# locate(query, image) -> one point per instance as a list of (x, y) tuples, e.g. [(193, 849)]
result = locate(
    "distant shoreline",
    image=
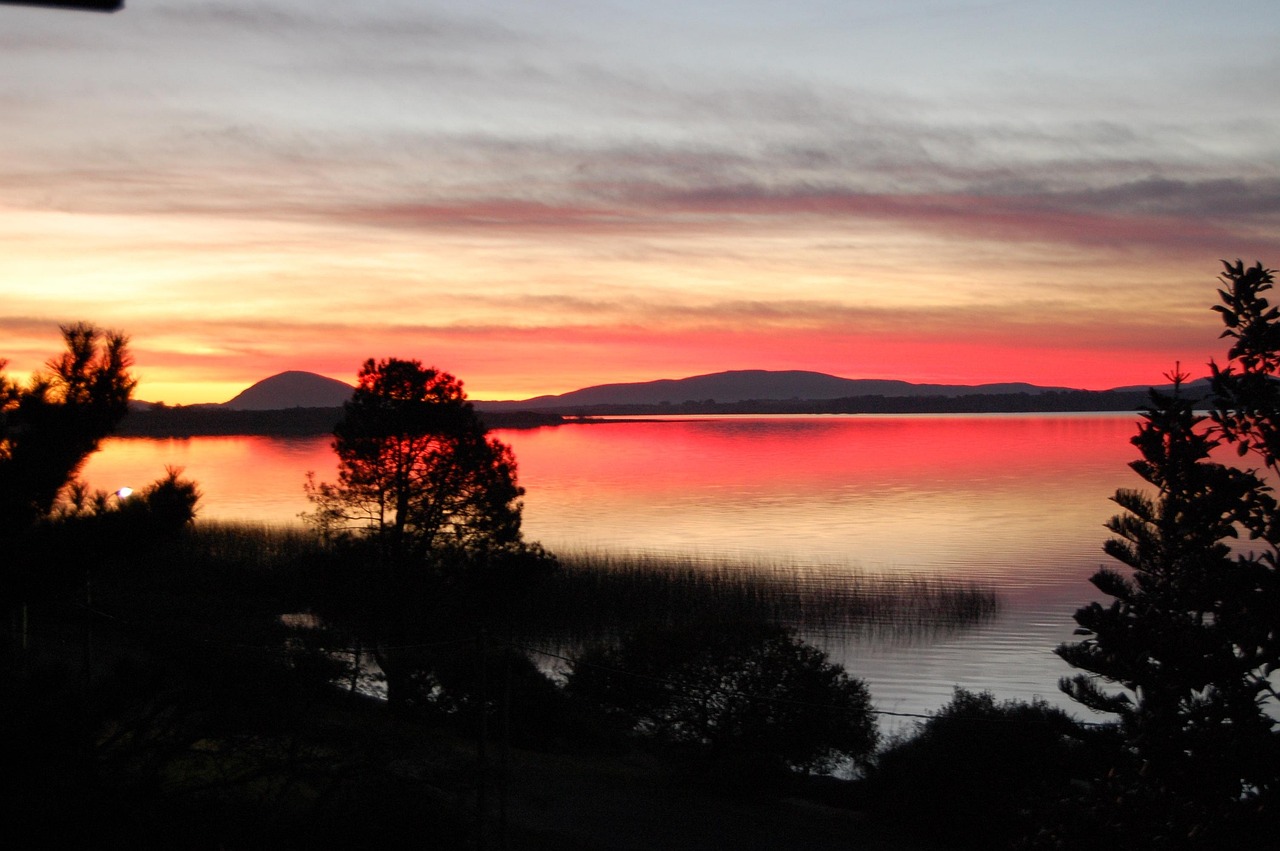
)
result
[(210, 421), (202, 420), (1049, 401)]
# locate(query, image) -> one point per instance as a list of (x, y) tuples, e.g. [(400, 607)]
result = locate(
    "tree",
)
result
[(49, 427), (750, 691), (436, 499), (1191, 634), (416, 471)]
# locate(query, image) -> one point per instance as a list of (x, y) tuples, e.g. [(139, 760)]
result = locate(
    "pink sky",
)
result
[(540, 200)]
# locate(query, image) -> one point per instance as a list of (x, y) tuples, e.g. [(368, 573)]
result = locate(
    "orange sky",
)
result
[(614, 192)]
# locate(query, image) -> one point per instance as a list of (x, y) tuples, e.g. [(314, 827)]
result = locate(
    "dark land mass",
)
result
[(754, 385), (205, 420), (253, 756), (299, 403), (1051, 401)]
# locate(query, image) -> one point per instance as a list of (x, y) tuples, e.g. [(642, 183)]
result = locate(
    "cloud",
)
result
[(493, 184), (315, 24)]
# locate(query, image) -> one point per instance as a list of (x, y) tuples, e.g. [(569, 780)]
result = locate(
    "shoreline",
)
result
[(204, 420)]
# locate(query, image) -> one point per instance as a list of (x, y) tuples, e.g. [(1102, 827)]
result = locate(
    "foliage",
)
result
[(727, 692), (50, 426), (978, 771), (163, 507), (103, 525), (416, 473), (1191, 634), (1247, 395)]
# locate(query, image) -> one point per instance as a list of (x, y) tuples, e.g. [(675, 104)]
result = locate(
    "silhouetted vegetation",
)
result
[(52, 528), (416, 473), (1187, 647), (747, 697), (49, 426), (193, 420), (980, 773), (593, 596), (203, 713)]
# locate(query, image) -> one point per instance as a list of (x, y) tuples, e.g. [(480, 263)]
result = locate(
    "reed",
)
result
[(243, 546), (598, 594), (234, 561)]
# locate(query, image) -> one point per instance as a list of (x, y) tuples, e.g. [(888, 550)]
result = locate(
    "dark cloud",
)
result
[(1232, 198)]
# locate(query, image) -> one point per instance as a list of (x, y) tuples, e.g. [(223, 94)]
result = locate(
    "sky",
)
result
[(538, 197)]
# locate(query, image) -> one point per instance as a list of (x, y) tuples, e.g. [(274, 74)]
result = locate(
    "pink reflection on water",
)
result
[(978, 494), (1014, 502), (240, 478)]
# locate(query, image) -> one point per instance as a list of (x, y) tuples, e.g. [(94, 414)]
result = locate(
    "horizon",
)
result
[(538, 200), (471, 398)]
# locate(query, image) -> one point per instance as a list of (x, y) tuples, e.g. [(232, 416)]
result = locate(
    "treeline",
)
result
[(1052, 401), (203, 420)]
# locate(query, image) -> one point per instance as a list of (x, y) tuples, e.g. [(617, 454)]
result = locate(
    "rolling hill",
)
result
[(292, 389), (752, 385)]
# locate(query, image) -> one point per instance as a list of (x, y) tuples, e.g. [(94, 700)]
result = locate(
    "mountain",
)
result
[(1198, 386), (297, 402), (752, 384), (292, 389)]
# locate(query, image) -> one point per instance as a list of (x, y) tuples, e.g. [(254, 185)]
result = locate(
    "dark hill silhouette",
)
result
[(292, 389), (753, 385), (296, 402)]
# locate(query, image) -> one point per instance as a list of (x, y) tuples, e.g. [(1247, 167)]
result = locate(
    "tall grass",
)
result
[(600, 594), (219, 574), (238, 547), (597, 594)]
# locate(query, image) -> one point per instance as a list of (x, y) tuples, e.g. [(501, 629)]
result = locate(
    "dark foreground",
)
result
[(114, 740)]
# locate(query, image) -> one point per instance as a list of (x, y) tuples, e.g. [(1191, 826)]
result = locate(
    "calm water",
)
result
[(1014, 502)]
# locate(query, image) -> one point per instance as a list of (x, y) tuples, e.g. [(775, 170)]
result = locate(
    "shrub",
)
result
[(977, 772)]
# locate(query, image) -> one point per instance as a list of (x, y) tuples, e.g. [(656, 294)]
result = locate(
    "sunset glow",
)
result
[(541, 197)]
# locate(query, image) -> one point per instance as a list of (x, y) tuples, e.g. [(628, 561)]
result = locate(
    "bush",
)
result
[(977, 772), (750, 695)]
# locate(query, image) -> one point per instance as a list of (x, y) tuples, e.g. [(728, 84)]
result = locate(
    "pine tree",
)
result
[(49, 427), (1190, 637)]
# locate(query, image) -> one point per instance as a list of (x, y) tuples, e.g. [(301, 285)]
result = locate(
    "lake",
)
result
[(1014, 502)]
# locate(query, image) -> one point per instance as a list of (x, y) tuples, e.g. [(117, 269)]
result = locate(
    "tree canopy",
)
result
[(416, 470)]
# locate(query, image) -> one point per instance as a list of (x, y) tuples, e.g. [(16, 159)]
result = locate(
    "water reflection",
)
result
[(1017, 502), (241, 478)]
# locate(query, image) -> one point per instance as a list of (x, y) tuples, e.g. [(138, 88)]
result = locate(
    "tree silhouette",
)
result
[(416, 472), (49, 427), (426, 511), (1191, 634), (730, 692)]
